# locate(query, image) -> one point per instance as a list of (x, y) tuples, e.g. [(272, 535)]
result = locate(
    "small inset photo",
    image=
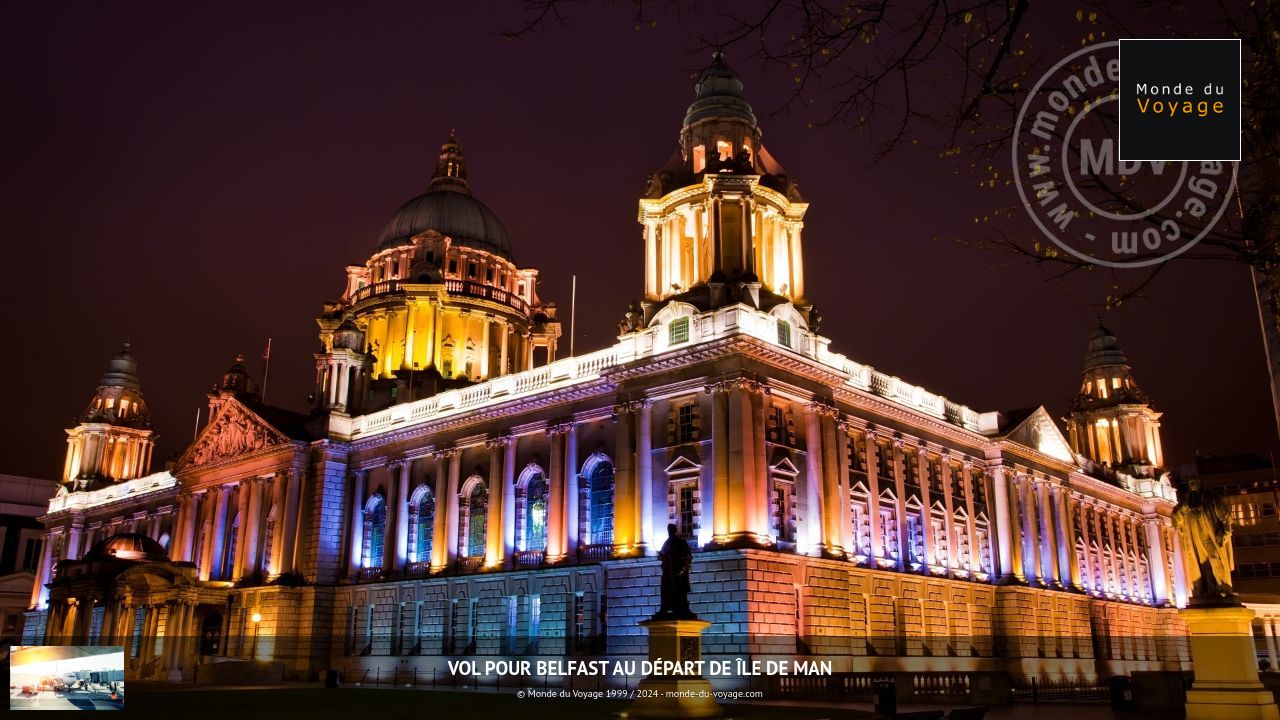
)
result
[(66, 677)]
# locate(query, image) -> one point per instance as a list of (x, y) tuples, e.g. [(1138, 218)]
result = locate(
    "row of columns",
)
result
[(205, 520), (1045, 553)]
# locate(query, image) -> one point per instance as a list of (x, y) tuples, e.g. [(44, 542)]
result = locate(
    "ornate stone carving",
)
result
[(235, 432)]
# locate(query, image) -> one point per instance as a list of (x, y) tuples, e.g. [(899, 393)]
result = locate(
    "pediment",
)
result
[(1040, 432), (235, 432), (682, 465)]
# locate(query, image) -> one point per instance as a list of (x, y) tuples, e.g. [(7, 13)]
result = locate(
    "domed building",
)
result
[(441, 303), (456, 489), (114, 439)]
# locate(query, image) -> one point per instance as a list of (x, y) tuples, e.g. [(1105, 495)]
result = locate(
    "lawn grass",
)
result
[(148, 700)]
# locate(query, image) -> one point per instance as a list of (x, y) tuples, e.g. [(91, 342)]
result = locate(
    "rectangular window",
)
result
[(724, 149), (471, 270), (687, 423), (699, 158), (453, 267), (535, 623), (687, 515), (784, 333), (512, 624), (488, 275), (679, 331), (579, 621), (31, 555)]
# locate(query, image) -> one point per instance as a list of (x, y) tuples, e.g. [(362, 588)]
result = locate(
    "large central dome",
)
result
[(449, 208)]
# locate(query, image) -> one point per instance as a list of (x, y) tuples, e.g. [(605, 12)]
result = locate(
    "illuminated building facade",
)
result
[(459, 490)]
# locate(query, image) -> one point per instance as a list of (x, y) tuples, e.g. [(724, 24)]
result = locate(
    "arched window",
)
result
[(535, 512), (599, 476), (477, 518), (784, 333), (375, 531), (422, 524)]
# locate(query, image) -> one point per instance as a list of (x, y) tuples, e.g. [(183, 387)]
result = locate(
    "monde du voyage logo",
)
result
[(1125, 153)]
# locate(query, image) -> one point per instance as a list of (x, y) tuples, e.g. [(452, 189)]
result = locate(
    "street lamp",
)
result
[(256, 618)]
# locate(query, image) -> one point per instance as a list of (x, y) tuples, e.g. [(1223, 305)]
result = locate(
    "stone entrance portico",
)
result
[(125, 592)]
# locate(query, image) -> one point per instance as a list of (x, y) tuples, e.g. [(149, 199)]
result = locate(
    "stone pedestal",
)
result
[(1226, 667), (675, 696)]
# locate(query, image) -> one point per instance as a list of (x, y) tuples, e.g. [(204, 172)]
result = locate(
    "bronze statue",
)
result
[(677, 559), (1203, 520)]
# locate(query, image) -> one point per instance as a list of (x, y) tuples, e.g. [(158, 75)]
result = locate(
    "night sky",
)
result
[(195, 180)]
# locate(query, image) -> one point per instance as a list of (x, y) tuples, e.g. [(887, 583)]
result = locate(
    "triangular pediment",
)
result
[(236, 431), (1040, 432), (682, 465), (786, 467)]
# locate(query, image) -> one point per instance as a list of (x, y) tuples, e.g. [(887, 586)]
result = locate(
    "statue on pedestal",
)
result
[(677, 560), (1203, 521)]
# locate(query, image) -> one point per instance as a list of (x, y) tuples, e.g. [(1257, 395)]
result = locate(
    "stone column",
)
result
[(508, 500), (1048, 536), (390, 532), (44, 572), (493, 539), (189, 525), (1268, 629), (451, 508), (626, 512), (107, 633), (840, 428), (926, 509), (648, 535), (556, 533), (439, 533), (1030, 534), (834, 496), (972, 484), (900, 489), (355, 528), (242, 512), (946, 479), (1086, 537), (814, 536), (873, 493), (719, 462), (1068, 563), (293, 479), (572, 490), (1002, 534), (274, 563), (402, 515), (253, 529), (1157, 561), (743, 475), (219, 540)]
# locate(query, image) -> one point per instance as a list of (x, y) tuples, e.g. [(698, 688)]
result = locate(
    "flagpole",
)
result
[(573, 308), (195, 433), (266, 370)]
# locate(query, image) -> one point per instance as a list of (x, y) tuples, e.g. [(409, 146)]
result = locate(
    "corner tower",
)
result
[(1112, 422), (441, 303), (722, 219), (113, 441)]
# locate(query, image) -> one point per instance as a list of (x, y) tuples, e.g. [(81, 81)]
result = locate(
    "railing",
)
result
[(369, 574), (530, 558), (471, 288), (561, 372), (604, 551), (379, 288), (470, 564), (573, 370), (418, 569), (1037, 689)]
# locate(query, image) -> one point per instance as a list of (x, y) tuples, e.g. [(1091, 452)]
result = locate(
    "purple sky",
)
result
[(195, 180)]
